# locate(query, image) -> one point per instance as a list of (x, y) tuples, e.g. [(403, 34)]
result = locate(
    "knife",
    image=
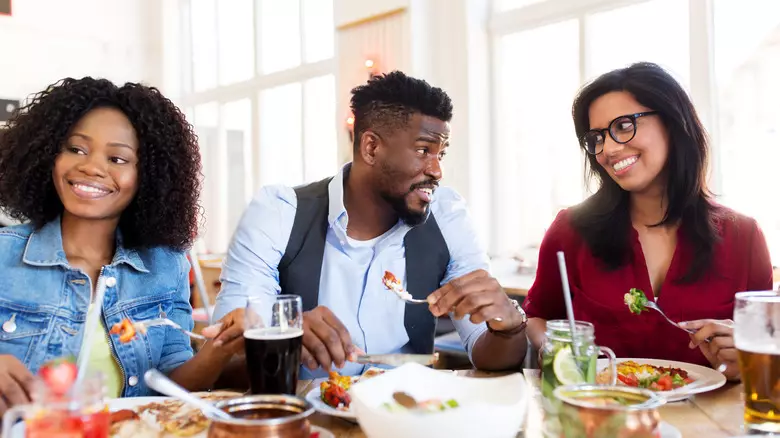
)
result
[(398, 359)]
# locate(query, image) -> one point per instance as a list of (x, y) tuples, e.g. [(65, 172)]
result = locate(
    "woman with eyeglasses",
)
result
[(652, 225)]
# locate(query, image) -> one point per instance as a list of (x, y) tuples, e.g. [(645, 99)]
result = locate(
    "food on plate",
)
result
[(636, 300), (123, 415), (647, 376), (125, 330), (371, 373), (426, 406), (59, 375), (333, 391), (166, 419)]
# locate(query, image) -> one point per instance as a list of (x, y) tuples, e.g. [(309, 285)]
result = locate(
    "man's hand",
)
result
[(325, 340), (479, 295), (15, 383)]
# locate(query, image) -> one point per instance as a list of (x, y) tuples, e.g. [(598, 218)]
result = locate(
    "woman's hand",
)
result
[(15, 383), (720, 351)]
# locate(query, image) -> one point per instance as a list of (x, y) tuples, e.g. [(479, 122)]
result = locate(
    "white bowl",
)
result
[(488, 407)]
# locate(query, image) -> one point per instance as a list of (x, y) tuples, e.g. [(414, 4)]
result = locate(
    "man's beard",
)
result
[(401, 208)]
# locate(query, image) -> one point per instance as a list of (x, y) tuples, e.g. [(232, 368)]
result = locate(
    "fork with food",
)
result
[(127, 329), (392, 283)]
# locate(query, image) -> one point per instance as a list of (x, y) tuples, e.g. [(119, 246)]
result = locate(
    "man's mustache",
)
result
[(430, 184)]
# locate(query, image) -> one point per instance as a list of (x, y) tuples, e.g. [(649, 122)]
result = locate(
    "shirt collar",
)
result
[(337, 213), (44, 248)]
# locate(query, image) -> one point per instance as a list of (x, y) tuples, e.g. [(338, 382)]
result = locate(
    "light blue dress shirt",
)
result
[(351, 278)]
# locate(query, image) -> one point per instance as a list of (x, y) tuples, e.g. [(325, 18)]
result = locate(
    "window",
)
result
[(260, 91), (535, 131), (732, 48), (204, 44), (621, 36), (746, 68), (280, 135), (280, 40), (236, 41)]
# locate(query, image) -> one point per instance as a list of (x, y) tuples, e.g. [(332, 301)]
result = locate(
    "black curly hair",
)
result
[(165, 210), (389, 100)]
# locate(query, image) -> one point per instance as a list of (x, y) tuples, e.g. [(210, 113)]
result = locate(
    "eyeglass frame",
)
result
[(608, 129)]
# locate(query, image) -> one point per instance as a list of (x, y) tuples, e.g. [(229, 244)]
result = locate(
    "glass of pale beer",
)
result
[(757, 338)]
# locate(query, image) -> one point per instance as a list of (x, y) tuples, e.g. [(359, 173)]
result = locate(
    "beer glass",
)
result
[(273, 336), (757, 338)]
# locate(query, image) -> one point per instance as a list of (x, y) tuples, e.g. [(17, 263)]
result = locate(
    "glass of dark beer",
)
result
[(273, 335), (757, 338)]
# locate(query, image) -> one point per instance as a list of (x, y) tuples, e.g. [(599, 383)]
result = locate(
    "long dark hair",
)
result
[(603, 220)]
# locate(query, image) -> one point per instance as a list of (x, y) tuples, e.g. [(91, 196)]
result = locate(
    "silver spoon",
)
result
[(162, 384)]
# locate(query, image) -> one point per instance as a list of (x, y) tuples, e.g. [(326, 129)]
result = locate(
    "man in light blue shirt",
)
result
[(381, 212)]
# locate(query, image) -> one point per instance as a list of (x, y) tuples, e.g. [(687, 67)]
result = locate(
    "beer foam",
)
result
[(759, 348), (272, 333)]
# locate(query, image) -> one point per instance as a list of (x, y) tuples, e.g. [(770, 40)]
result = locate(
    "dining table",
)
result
[(713, 414)]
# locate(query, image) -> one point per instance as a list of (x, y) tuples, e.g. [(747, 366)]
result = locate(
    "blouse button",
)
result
[(110, 281), (132, 381)]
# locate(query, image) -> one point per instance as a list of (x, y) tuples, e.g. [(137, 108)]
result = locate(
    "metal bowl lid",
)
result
[(638, 398), (298, 407)]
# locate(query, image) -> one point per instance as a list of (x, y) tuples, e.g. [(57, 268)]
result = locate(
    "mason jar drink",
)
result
[(571, 360)]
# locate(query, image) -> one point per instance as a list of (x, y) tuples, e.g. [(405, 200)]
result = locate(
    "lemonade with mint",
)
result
[(564, 365)]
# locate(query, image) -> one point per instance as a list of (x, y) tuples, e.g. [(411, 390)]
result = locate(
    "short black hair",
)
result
[(603, 220), (387, 101), (165, 210)]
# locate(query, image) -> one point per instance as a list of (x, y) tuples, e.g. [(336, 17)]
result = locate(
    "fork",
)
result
[(142, 326), (654, 306), (401, 293)]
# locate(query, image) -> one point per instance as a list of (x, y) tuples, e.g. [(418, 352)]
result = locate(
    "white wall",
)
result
[(46, 40), (350, 11)]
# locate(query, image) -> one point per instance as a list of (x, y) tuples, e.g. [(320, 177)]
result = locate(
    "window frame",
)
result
[(217, 234), (536, 15)]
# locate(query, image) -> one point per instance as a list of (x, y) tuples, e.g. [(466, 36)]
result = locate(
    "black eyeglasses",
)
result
[(622, 129)]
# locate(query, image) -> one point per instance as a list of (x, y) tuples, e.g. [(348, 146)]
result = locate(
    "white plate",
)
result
[(113, 405), (313, 397), (706, 379), (325, 433), (134, 402), (668, 431)]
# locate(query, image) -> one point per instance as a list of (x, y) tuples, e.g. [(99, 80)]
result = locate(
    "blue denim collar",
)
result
[(44, 248)]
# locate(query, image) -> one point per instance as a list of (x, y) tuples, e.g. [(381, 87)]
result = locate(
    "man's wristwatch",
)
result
[(516, 330)]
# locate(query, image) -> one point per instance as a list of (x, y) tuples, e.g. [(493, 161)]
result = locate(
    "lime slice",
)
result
[(566, 369)]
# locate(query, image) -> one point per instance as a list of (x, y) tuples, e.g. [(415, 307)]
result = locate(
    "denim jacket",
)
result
[(47, 299)]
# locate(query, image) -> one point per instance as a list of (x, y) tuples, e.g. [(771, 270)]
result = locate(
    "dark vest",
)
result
[(427, 258)]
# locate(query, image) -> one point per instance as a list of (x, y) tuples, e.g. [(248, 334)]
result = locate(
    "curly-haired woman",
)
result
[(107, 179)]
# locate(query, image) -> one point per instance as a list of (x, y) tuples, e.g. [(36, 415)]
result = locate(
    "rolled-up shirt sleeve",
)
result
[(251, 266), (467, 253)]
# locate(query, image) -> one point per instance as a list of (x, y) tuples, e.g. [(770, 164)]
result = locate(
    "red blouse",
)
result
[(741, 262)]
